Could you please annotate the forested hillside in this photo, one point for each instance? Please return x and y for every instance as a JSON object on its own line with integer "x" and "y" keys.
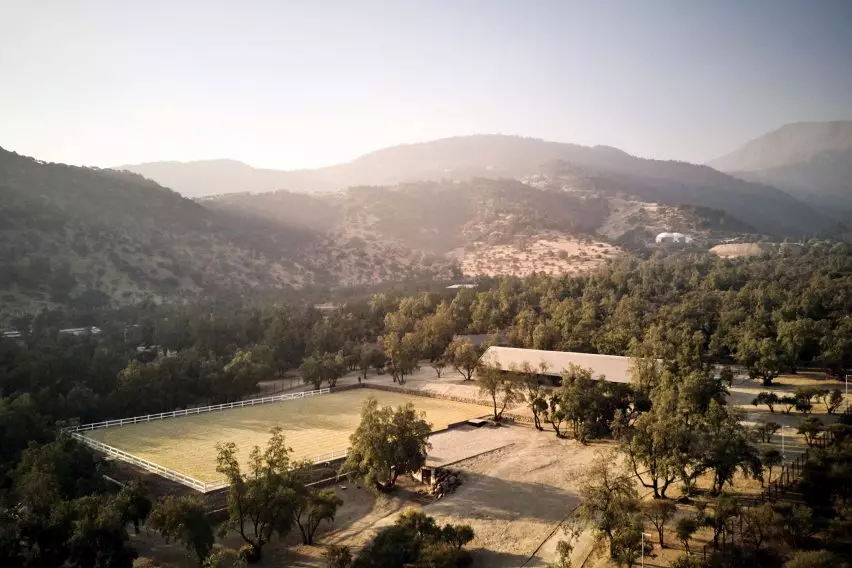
{"x": 89, "y": 237}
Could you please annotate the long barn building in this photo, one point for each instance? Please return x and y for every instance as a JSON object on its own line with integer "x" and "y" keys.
{"x": 611, "y": 368}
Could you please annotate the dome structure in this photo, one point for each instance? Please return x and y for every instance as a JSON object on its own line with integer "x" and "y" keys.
{"x": 673, "y": 238}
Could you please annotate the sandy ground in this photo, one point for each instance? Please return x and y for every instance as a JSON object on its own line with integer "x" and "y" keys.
{"x": 738, "y": 250}
{"x": 313, "y": 426}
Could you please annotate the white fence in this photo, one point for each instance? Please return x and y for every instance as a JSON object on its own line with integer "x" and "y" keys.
{"x": 203, "y": 486}
{"x": 197, "y": 484}
{"x": 199, "y": 410}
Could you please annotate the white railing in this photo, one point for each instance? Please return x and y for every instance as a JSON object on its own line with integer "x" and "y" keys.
{"x": 199, "y": 410}
{"x": 202, "y": 486}
{"x": 182, "y": 478}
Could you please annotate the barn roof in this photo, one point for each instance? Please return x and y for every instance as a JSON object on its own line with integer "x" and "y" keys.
{"x": 611, "y": 367}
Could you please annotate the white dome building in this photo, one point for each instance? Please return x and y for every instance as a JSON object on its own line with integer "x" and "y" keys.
{"x": 672, "y": 238}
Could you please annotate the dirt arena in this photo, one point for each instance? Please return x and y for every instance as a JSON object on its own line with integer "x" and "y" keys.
{"x": 312, "y": 426}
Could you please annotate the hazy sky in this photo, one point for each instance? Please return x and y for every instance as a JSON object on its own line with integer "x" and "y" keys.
{"x": 303, "y": 83}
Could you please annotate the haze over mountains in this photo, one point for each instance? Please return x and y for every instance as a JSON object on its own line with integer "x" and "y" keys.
{"x": 811, "y": 161}
{"x": 473, "y": 205}
{"x": 768, "y": 209}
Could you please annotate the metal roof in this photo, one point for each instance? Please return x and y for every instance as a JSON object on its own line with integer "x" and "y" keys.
{"x": 610, "y": 367}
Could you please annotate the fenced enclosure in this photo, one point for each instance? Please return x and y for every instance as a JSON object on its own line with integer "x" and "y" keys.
{"x": 181, "y": 445}
{"x": 785, "y": 481}
{"x": 198, "y": 410}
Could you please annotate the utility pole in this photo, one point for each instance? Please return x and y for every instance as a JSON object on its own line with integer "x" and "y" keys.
{"x": 643, "y": 548}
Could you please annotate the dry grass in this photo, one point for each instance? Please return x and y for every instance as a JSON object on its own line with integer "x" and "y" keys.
{"x": 553, "y": 254}
{"x": 741, "y": 250}
{"x": 312, "y": 426}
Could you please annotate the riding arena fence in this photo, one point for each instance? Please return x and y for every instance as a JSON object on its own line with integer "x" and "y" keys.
{"x": 198, "y": 410}
{"x": 77, "y": 432}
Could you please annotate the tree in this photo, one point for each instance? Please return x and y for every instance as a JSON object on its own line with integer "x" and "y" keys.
{"x": 770, "y": 399}
{"x": 457, "y": 535}
{"x": 766, "y": 430}
{"x": 439, "y": 364}
{"x": 262, "y": 501}
{"x": 225, "y": 558}
{"x": 366, "y": 358}
{"x": 97, "y": 538}
{"x": 184, "y": 519}
{"x": 810, "y": 428}
{"x": 563, "y": 555}
{"x": 314, "y": 508}
{"x": 687, "y": 561}
{"x": 332, "y": 367}
{"x": 338, "y": 557}
{"x": 795, "y": 337}
{"x": 534, "y": 394}
{"x": 589, "y": 406}
{"x": 659, "y": 512}
{"x": 684, "y": 529}
{"x": 498, "y": 384}
{"x": 311, "y": 371}
{"x": 628, "y": 543}
{"x": 387, "y": 443}
{"x": 769, "y": 459}
{"x": 813, "y": 559}
{"x": 393, "y": 546}
{"x": 608, "y": 498}
{"x": 240, "y": 376}
{"x": 133, "y": 505}
{"x": 833, "y": 400}
{"x": 724, "y": 508}
{"x": 762, "y": 357}
{"x": 728, "y": 448}
{"x": 403, "y": 353}
{"x": 416, "y": 540}
{"x": 463, "y": 356}
{"x": 789, "y": 402}
{"x": 761, "y": 525}
{"x": 652, "y": 447}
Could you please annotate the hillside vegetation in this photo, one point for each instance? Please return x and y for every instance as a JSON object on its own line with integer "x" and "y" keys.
{"x": 83, "y": 236}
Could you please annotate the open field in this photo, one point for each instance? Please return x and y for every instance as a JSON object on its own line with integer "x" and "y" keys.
{"x": 312, "y": 426}
{"x": 552, "y": 254}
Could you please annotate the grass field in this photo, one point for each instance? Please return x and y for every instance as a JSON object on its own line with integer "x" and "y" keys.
{"x": 312, "y": 426}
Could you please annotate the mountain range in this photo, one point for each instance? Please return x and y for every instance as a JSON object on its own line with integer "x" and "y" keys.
{"x": 765, "y": 207}
{"x": 811, "y": 161}
{"x": 477, "y": 205}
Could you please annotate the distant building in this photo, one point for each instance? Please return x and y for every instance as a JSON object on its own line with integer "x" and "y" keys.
{"x": 672, "y": 238}
{"x": 458, "y": 286}
{"x": 82, "y": 330}
{"x": 326, "y": 307}
{"x": 611, "y": 368}
{"x": 10, "y": 334}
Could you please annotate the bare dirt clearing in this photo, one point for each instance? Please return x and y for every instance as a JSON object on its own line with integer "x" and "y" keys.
{"x": 516, "y": 496}
{"x": 555, "y": 254}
